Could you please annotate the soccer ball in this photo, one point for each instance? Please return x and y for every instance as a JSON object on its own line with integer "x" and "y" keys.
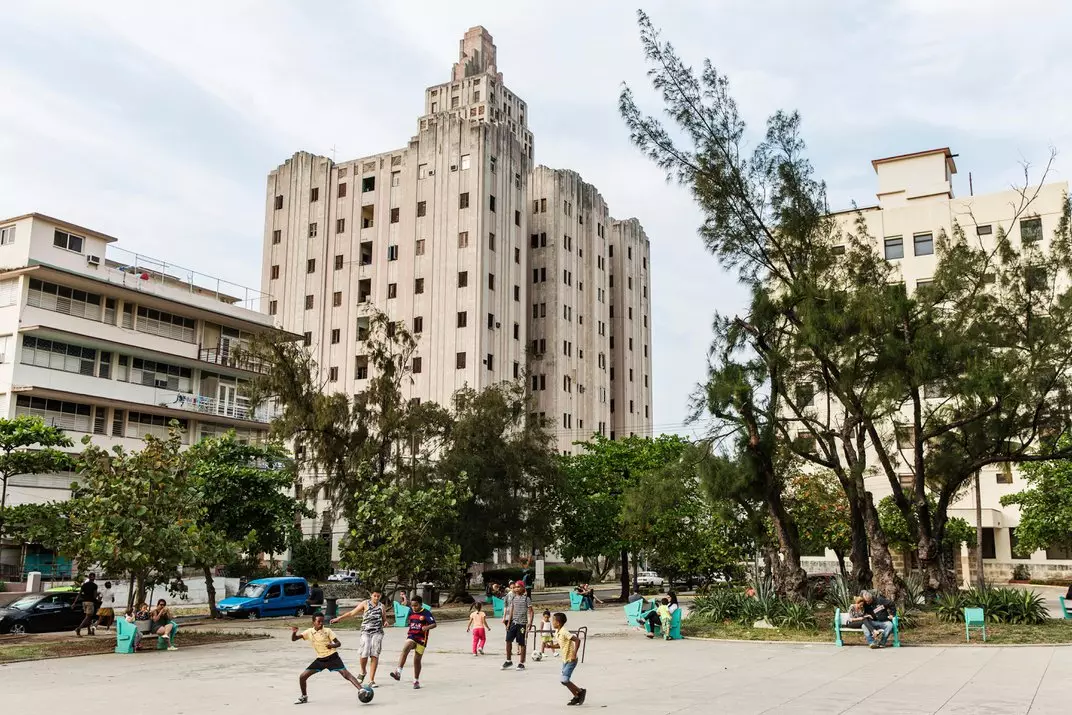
{"x": 365, "y": 695}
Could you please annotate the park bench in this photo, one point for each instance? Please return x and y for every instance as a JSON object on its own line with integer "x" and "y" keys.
{"x": 634, "y": 610}
{"x": 126, "y": 634}
{"x": 402, "y": 614}
{"x": 1064, "y": 607}
{"x": 839, "y": 627}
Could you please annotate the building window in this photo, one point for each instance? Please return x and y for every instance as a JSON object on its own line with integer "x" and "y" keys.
{"x": 339, "y": 262}
{"x": 989, "y": 550}
{"x": 491, "y": 321}
{"x": 491, "y": 203}
{"x": 923, "y": 244}
{"x": 1014, "y": 546}
{"x": 395, "y": 215}
{"x": 463, "y": 239}
{"x": 368, "y": 183}
{"x": 906, "y": 436}
{"x": 491, "y": 241}
{"x": 392, "y": 290}
{"x": 419, "y": 249}
{"x": 309, "y": 302}
{"x": 491, "y": 281}
{"x": 463, "y": 279}
{"x": 491, "y": 361}
{"x": 392, "y": 253}
{"x": 418, "y": 325}
{"x": 342, "y": 191}
{"x": 894, "y": 248}
{"x": 459, "y": 361}
{"x": 463, "y": 318}
{"x": 1004, "y": 473}
{"x": 273, "y": 306}
{"x": 278, "y": 202}
{"x": 274, "y": 272}
{"x": 416, "y": 365}
{"x": 517, "y": 218}
{"x": 335, "y": 336}
{"x": 361, "y": 367}
{"x": 312, "y": 230}
{"x": 418, "y": 286}
{"x": 984, "y": 230}
{"x": 517, "y": 331}
{"x": 517, "y": 255}
{"x": 466, "y": 160}
{"x": 333, "y": 374}
{"x": 307, "y": 339}
{"x": 340, "y": 225}
{"x": 463, "y": 200}
{"x": 1030, "y": 230}
{"x": 517, "y": 294}
{"x": 314, "y": 193}
{"x": 336, "y": 299}
{"x": 396, "y": 178}
{"x": 277, "y": 236}
{"x": 67, "y": 241}
{"x": 422, "y": 208}
{"x": 310, "y": 266}
{"x": 517, "y": 370}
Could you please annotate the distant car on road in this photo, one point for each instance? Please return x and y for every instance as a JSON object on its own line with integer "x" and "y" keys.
{"x": 649, "y": 578}
{"x": 344, "y": 576}
{"x": 42, "y": 613}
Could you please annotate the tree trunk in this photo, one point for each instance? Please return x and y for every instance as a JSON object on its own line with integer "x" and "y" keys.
{"x": 885, "y": 577}
{"x": 788, "y": 571}
{"x": 130, "y": 591}
{"x": 841, "y": 563}
{"x": 210, "y": 587}
{"x": 859, "y": 554}
{"x": 932, "y": 564}
{"x": 625, "y": 575}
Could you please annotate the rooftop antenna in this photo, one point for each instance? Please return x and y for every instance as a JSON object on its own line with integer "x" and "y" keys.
{"x": 971, "y": 191}
{"x": 332, "y": 153}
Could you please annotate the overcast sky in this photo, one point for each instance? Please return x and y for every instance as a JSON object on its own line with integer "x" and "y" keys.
{"x": 158, "y": 122}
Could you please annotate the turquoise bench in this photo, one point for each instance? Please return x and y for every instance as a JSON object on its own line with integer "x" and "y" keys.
{"x": 498, "y": 606}
{"x": 576, "y": 601}
{"x": 633, "y": 611}
{"x": 1064, "y": 607}
{"x": 675, "y": 623}
{"x": 126, "y": 636}
{"x": 840, "y": 627}
{"x": 402, "y": 614}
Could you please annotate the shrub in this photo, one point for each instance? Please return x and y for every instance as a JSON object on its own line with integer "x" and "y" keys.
{"x": 796, "y": 615}
{"x": 310, "y": 558}
{"x": 914, "y": 593}
{"x": 841, "y": 593}
{"x": 718, "y": 605}
{"x": 1000, "y": 605}
{"x": 1020, "y": 572}
{"x": 949, "y": 606}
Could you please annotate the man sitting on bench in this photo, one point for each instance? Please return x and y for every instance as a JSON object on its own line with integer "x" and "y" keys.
{"x": 879, "y": 611}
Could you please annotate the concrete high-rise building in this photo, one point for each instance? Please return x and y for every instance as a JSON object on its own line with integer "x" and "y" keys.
{"x": 432, "y": 233}
{"x": 103, "y": 342}
{"x": 501, "y": 271}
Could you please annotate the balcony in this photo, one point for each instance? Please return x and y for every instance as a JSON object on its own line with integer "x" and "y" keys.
{"x": 237, "y": 408}
{"x": 230, "y": 357}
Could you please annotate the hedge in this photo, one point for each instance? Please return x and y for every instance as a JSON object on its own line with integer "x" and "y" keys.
{"x": 553, "y": 575}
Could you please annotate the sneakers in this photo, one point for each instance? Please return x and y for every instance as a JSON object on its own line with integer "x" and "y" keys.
{"x": 302, "y": 700}
{"x": 480, "y": 651}
{"x": 171, "y": 647}
{"x": 372, "y": 684}
{"x": 580, "y": 698}
{"x": 520, "y": 666}
{"x": 416, "y": 685}
{"x": 475, "y": 654}
{"x": 874, "y": 646}
{"x": 396, "y": 674}
{"x": 507, "y": 665}
{"x": 573, "y": 701}
{"x": 361, "y": 677}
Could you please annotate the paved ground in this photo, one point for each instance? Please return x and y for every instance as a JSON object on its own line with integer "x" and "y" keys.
{"x": 624, "y": 673}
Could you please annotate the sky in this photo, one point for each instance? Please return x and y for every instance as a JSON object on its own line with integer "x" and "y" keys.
{"x": 159, "y": 122}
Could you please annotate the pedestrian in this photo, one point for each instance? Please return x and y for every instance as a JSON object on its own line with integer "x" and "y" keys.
{"x": 419, "y": 624}
{"x": 478, "y": 624}
{"x": 160, "y": 622}
{"x": 88, "y": 594}
{"x": 526, "y": 581}
{"x": 568, "y": 644}
{"x": 326, "y": 644}
{"x": 547, "y": 636}
{"x": 373, "y": 616}
{"x": 316, "y": 595}
{"x": 106, "y": 610}
{"x": 518, "y": 615}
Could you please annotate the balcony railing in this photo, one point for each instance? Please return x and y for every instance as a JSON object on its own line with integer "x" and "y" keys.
{"x": 231, "y": 357}
{"x": 237, "y": 408}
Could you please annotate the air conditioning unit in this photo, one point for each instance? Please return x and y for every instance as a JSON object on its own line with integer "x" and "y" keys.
{"x": 498, "y": 325}
{"x": 93, "y": 260}
{"x": 431, "y": 172}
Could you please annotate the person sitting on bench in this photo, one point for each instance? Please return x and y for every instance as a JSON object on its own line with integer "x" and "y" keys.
{"x": 879, "y": 611}
{"x": 161, "y": 624}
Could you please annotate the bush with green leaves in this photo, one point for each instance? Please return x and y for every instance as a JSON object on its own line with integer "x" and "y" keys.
{"x": 1000, "y": 605}
{"x": 1020, "y": 572}
{"x": 841, "y": 592}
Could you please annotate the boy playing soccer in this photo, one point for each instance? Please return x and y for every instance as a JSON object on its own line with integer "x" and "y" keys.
{"x": 420, "y": 622}
{"x": 567, "y": 645}
{"x": 547, "y": 637}
{"x": 326, "y": 645}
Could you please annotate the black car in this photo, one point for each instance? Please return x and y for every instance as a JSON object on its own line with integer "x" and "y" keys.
{"x": 42, "y": 613}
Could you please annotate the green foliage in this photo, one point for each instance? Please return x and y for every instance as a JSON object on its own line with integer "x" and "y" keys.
{"x": 903, "y": 537}
{"x": 397, "y": 533}
{"x": 1000, "y": 605}
{"x": 821, "y": 511}
{"x": 553, "y": 575}
{"x": 720, "y": 604}
{"x": 1046, "y": 503}
{"x": 842, "y": 592}
{"x": 29, "y": 446}
{"x": 725, "y": 605}
{"x": 1020, "y": 572}
{"x": 310, "y": 558}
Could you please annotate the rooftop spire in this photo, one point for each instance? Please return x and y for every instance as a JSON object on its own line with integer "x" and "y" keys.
{"x": 476, "y": 54}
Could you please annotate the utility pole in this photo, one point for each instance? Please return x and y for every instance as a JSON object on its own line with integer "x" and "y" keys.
{"x": 980, "y": 582}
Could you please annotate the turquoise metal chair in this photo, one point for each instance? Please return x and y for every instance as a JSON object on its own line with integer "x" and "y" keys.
{"x": 1064, "y": 607}
{"x": 498, "y": 606}
{"x": 974, "y": 618}
{"x": 575, "y": 601}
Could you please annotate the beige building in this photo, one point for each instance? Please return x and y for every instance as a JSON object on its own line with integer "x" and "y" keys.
{"x": 915, "y": 204}
{"x": 114, "y": 345}
{"x": 502, "y": 271}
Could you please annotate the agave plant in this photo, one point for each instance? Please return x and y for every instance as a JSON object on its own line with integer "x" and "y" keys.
{"x": 796, "y": 615}
{"x": 913, "y": 595}
{"x": 949, "y": 606}
{"x": 718, "y": 605}
{"x": 841, "y": 593}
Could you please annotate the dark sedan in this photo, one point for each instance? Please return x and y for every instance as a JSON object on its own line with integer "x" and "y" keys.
{"x": 42, "y": 613}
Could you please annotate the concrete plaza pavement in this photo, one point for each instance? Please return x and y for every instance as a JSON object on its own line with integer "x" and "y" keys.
{"x": 623, "y": 672}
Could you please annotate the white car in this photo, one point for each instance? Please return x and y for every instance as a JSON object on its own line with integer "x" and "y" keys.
{"x": 344, "y": 576}
{"x": 649, "y": 578}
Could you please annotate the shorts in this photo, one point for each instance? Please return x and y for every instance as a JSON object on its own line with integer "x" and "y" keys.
{"x": 515, "y": 633}
{"x": 548, "y": 640}
{"x": 89, "y": 608}
{"x": 371, "y": 644}
{"x": 567, "y": 671}
{"x": 332, "y": 662}
{"x": 418, "y": 647}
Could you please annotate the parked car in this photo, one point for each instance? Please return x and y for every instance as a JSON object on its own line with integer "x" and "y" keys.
{"x": 42, "y": 613}
{"x": 649, "y": 578}
{"x": 285, "y": 596}
{"x": 344, "y": 576}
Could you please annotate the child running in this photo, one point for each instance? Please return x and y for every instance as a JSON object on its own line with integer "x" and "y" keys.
{"x": 326, "y": 645}
{"x": 478, "y": 624}
{"x": 420, "y": 622}
{"x": 567, "y": 645}
{"x": 547, "y": 637}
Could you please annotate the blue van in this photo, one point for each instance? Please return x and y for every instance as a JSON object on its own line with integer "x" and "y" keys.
{"x": 288, "y": 596}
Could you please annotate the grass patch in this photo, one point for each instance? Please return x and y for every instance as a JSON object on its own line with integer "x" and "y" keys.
{"x": 928, "y": 631}
{"x": 28, "y": 648}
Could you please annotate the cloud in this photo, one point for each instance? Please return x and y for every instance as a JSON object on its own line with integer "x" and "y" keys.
{"x": 159, "y": 123}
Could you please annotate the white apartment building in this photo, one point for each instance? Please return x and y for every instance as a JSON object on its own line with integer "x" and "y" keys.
{"x": 915, "y": 203}
{"x": 629, "y": 256}
{"x": 107, "y": 343}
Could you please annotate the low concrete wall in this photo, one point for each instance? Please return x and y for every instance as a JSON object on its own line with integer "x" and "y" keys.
{"x": 196, "y": 595}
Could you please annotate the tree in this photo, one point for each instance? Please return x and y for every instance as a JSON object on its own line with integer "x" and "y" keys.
{"x": 511, "y": 472}
{"x": 310, "y": 558}
{"x": 29, "y": 446}
{"x": 246, "y": 506}
{"x": 595, "y": 483}
{"x": 1045, "y": 506}
{"x": 821, "y": 510}
{"x": 902, "y": 536}
{"x": 398, "y": 532}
